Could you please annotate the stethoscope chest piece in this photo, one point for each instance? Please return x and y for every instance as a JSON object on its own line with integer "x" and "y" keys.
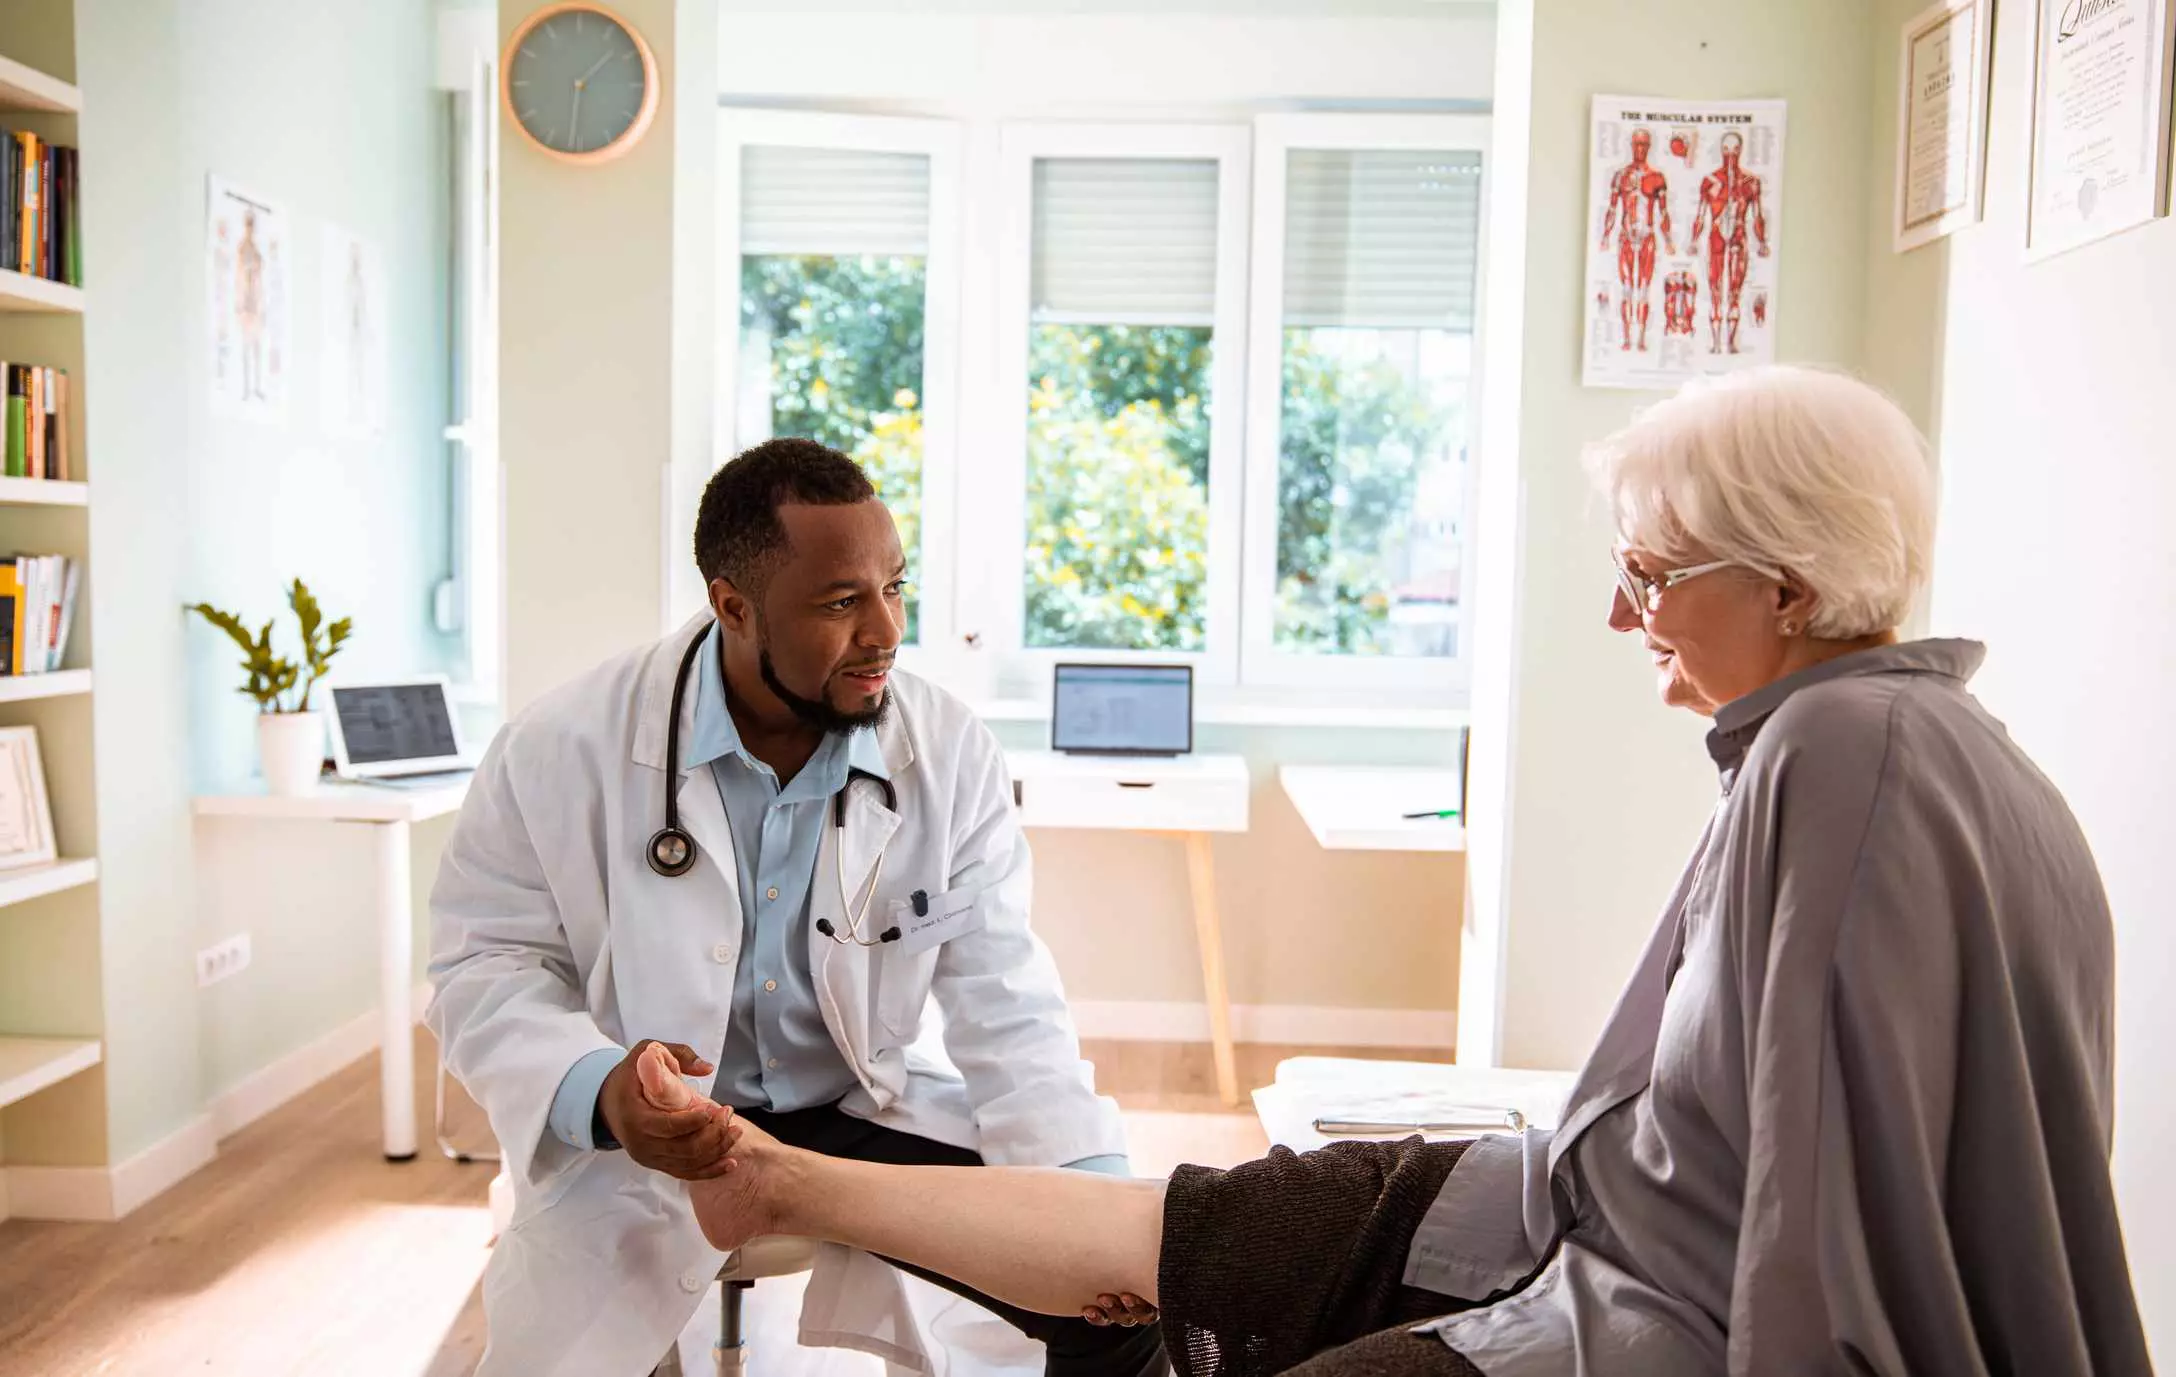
{"x": 672, "y": 852}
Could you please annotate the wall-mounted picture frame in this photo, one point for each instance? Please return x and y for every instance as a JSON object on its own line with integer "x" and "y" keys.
{"x": 26, "y": 815}
{"x": 2100, "y": 120}
{"x": 1941, "y": 149}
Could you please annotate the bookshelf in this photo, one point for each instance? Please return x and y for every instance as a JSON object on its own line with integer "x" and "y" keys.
{"x": 29, "y": 1065}
{"x": 52, "y": 1016}
{"x": 43, "y": 492}
{"x": 29, "y": 688}
{"x": 35, "y": 882}
{"x": 20, "y": 292}
{"x": 28, "y": 90}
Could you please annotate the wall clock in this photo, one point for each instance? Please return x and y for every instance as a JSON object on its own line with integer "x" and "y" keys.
{"x": 579, "y": 83}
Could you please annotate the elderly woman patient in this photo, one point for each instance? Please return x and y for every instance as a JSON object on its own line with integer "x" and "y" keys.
{"x": 1851, "y": 1112}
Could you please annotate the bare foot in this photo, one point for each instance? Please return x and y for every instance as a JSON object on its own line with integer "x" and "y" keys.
{"x": 744, "y": 1202}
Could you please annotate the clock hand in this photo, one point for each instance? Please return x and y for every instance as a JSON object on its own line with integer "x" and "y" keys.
{"x": 574, "y": 121}
{"x": 594, "y": 66}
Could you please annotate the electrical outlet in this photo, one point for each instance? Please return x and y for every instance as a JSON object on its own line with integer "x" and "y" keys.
{"x": 216, "y": 963}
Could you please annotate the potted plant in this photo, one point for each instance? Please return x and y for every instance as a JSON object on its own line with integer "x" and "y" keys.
{"x": 290, "y": 736}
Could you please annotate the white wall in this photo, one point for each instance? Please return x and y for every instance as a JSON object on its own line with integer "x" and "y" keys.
{"x": 2059, "y": 485}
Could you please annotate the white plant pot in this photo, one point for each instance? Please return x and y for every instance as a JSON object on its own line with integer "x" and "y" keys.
{"x": 291, "y": 749}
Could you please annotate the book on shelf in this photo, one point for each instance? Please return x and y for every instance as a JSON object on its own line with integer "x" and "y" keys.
{"x": 37, "y": 611}
{"x": 40, "y": 208}
{"x": 36, "y": 421}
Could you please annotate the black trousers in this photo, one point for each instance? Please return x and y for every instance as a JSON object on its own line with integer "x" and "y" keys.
{"x": 1073, "y": 1347}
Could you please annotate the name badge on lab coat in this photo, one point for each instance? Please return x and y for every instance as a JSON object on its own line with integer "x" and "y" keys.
{"x": 949, "y": 915}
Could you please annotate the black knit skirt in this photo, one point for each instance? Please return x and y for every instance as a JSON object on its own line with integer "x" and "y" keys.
{"x": 1295, "y": 1263}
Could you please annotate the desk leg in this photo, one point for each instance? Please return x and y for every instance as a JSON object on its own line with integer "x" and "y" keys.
{"x": 1202, "y": 875}
{"x": 396, "y": 980}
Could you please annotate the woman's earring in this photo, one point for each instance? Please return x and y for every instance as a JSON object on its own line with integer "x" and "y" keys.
{"x": 1790, "y": 628}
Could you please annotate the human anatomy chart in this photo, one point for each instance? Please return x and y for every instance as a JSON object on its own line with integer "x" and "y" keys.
{"x": 1684, "y": 208}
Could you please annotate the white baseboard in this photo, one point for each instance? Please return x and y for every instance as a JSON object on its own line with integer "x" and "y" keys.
{"x": 108, "y": 1193}
{"x": 261, "y": 1092}
{"x": 1305, "y": 1025}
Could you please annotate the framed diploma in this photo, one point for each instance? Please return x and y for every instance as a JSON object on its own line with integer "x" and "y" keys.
{"x": 1942, "y": 119}
{"x": 2100, "y": 120}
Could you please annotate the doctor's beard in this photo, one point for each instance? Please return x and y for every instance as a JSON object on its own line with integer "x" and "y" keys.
{"x": 817, "y": 712}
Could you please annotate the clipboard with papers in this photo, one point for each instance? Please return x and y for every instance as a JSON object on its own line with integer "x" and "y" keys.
{"x": 1316, "y": 1101}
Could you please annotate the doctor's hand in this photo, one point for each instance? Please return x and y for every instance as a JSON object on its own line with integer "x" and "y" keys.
{"x": 661, "y": 1123}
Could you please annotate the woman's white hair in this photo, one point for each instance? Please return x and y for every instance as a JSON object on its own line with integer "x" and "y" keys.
{"x": 1787, "y": 471}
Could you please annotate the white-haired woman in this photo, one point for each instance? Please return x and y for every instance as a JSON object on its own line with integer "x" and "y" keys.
{"x": 1851, "y": 1113}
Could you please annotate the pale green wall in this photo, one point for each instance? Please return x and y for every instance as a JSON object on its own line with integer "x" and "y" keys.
{"x": 1611, "y": 787}
{"x": 329, "y": 110}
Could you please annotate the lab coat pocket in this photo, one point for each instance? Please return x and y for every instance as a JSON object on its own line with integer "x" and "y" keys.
{"x": 902, "y": 992}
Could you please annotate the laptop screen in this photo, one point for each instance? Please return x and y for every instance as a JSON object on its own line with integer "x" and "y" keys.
{"x": 1123, "y": 709}
{"x": 382, "y": 723}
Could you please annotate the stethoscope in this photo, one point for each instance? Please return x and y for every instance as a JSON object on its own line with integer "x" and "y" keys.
{"x": 671, "y": 851}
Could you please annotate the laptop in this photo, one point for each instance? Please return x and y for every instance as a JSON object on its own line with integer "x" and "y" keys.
{"x": 400, "y": 731}
{"x": 1122, "y": 710}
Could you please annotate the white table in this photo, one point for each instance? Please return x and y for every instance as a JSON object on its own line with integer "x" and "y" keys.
{"x": 1189, "y": 795}
{"x": 1311, "y": 1088}
{"x": 1362, "y": 808}
{"x": 388, "y": 813}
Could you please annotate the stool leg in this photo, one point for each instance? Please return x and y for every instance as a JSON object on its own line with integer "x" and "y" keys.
{"x": 731, "y": 1354}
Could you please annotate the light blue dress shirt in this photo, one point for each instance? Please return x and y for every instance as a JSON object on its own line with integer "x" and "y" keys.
{"x": 778, "y": 1054}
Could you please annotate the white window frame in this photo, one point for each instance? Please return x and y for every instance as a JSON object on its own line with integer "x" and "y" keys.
{"x": 1261, "y": 663}
{"x": 479, "y": 562}
{"x": 941, "y": 142}
{"x": 993, "y": 600}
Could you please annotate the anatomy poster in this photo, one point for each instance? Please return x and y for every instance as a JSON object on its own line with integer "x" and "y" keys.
{"x": 248, "y": 264}
{"x": 351, "y": 385}
{"x": 1684, "y": 209}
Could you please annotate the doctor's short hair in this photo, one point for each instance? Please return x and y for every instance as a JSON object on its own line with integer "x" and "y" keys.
{"x": 738, "y": 536}
{"x": 1782, "y": 470}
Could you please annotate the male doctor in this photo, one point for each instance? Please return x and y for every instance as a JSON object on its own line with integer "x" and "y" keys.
{"x": 841, "y": 847}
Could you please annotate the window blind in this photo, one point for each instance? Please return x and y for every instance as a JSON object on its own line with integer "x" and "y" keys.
{"x": 1124, "y": 241}
{"x": 1381, "y": 238}
{"x": 838, "y": 202}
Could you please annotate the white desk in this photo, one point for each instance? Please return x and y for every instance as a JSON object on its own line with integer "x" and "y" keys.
{"x": 387, "y": 812}
{"x": 1191, "y": 795}
{"x": 1310, "y": 1088}
{"x": 1362, "y": 808}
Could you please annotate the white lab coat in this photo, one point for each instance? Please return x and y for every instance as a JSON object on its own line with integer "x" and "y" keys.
{"x": 552, "y": 938}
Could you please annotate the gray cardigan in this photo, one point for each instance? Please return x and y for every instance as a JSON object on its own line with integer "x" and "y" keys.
{"x": 1852, "y": 1112}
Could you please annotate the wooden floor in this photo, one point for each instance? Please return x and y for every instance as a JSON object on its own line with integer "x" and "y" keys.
{"x": 300, "y": 1250}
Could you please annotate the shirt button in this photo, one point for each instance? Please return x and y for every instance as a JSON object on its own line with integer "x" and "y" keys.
{"x": 771, "y": 893}
{"x": 722, "y": 953}
{"x": 770, "y": 987}
{"x": 772, "y": 1063}
{"x": 693, "y": 1283}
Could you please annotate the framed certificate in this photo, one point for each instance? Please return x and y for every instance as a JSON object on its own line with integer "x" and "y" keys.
{"x": 1941, "y": 152}
{"x": 2100, "y": 119}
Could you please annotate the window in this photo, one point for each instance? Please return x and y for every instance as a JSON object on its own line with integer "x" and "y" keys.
{"x": 1120, "y": 326}
{"x": 1367, "y": 259}
{"x": 1213, "y": 382}
{"x": 841, "y": 307}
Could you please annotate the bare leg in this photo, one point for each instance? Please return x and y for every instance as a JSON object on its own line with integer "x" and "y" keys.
{"x": 1043, "y": 1239}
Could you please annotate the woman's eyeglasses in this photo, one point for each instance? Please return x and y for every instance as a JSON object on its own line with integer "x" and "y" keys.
{"x": 1643, "y": 592}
